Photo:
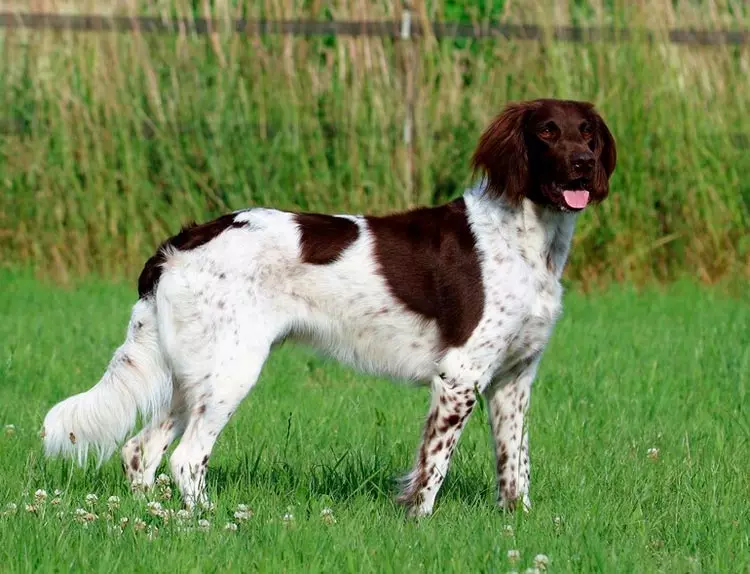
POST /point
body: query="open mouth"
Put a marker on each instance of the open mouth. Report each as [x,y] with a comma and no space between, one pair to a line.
[575,194]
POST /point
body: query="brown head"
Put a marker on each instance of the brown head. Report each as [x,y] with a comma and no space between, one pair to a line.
[557,153]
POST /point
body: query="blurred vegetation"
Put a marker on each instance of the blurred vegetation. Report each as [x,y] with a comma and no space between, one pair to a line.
[111,141]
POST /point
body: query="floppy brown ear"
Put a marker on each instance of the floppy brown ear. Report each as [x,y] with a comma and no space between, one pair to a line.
[606,162]
[501,153]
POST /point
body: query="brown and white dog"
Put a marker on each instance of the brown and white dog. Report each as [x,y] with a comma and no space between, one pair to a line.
[463,296]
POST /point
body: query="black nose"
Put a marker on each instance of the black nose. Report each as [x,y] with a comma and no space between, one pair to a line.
[583,161]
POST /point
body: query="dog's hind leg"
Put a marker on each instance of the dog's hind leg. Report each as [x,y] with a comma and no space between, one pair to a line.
[142,454]
[212,397]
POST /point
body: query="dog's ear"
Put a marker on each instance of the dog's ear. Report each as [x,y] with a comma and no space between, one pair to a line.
[502,155]
[606,161]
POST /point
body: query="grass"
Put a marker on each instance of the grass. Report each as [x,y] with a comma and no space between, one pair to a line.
[112,141]
[625,372]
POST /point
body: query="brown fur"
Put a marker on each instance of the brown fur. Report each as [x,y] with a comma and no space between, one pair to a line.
[429,260]
[190,237]
[324,237]
[519,161]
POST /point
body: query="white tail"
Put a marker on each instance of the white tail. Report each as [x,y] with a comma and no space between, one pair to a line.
[138,379]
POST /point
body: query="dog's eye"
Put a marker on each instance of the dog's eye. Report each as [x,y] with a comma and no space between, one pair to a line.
[586,130]
[547,131]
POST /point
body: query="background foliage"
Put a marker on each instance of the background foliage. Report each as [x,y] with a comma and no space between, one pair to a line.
[111,141]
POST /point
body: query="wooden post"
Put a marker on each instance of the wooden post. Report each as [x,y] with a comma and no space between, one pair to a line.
[409,64]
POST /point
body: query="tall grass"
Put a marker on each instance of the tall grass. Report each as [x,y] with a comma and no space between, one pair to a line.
[112,141]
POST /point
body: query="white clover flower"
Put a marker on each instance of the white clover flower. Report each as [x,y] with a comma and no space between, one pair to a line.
[182,514]
[113,502]
[288,517]
[139,524]
[514,555]
[154,507]
[653,453]
[327,515]
[40,496]
[31,508]
[163,480]
[243,513]
[153,532]
[166,493]
[557,520]
[10,508]
[10,430]
[124,521]
[58,492]
[230,526]
[83,516]
[508,531]
[541,561]
[531,571]
[204,524]
[55,501]
[91,499]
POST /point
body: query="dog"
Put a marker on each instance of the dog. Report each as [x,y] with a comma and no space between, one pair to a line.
[463,296]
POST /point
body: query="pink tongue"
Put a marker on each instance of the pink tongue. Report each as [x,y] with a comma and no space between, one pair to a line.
[576,198]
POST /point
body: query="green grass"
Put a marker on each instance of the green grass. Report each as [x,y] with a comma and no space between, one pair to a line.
[118,139]
[625,372]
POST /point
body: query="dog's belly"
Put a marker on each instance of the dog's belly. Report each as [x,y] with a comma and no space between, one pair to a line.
[394,344]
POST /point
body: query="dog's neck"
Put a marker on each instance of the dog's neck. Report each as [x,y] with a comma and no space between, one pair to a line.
[541,235]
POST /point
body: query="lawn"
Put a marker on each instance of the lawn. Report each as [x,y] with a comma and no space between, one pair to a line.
[626,372]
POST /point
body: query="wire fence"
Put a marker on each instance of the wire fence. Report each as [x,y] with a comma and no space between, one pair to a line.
[404,28]
[382,28]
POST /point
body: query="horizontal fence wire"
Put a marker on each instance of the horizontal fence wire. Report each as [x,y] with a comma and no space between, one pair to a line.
[383,28]
[379,28]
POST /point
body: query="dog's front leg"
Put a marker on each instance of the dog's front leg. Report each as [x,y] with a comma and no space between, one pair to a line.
[508,400]
[452,402]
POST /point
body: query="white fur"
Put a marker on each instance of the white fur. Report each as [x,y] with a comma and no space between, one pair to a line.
[221,306]
[137,380]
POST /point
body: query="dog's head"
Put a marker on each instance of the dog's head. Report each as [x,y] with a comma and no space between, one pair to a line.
[557,153]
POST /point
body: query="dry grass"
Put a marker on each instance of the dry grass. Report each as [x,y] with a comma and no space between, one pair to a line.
[118,139]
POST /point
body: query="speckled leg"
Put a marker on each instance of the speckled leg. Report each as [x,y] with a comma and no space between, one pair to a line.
[508,400]
[451,407]
[452,402]
[142,454]
[213,399]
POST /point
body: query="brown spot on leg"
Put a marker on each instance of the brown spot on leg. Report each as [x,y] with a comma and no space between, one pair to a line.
[135,462]
[72,438]
[450,421]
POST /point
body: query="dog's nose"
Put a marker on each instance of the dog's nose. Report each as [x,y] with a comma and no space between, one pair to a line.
[583,161]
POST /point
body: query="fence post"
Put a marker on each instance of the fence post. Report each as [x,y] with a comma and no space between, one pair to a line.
[409,61]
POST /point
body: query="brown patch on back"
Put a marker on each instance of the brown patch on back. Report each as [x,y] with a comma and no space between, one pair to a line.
[324,237]
[190,237]
[430,263]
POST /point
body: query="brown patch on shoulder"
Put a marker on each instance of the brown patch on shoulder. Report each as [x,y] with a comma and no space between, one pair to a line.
[429,260]
[72,438]
[324,237]
[189,237]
